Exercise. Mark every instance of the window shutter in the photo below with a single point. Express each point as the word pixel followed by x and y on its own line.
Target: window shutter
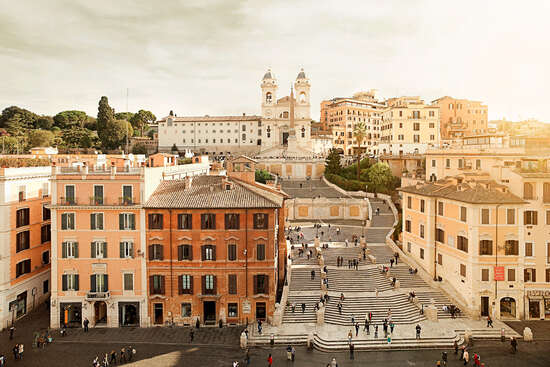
pixel 76 282
pixel 161 221
pixel 63 221
pixel 64 282
pixel 64 250
pixel 151 284
pixel 203 253
pixel 190 284
pixel 121 221
pixel 131 249
pixel 106 277
pixel 535 218
pixel 101 224
pixel 180 253
pixel 180 284
pixel 93 249
pixel 92 221
pixel 215 285
pixel 214 253
pixel 203 281
pixel 122 250
pixel 132 221
pixel 76 250
pixel 162 284
pixel 150 247
pixel 92 283
pixel 255 282
pixel 266 284
pixel 161 252
pixel 104 245
pixel 190 252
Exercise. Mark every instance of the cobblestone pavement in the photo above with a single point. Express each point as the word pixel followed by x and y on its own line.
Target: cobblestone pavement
pixel 309 189
pixel 540 329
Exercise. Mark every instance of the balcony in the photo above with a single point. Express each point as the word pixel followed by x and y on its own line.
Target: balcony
pixel 98 296
pixel 66 201
pixel 126 200
pixel 96 200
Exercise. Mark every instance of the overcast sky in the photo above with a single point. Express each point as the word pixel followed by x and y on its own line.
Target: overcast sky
pixel 208 56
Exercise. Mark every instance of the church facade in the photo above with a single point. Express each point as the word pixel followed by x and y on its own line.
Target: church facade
pixel 280 119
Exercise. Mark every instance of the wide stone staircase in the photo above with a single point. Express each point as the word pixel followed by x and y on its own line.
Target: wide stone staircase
pixel 407 280
pixel 298 316
pixel 300 280
pixel 303 260
pixel 402 311
pixel 440 300
pixel 382 253
pixel 362 280
pixel 347 253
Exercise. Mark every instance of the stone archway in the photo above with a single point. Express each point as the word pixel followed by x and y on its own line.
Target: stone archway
pixel 507 307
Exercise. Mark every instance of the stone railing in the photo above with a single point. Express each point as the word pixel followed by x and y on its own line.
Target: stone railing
pixel 281 307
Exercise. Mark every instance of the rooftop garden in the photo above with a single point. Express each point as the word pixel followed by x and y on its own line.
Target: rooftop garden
pixel 12 162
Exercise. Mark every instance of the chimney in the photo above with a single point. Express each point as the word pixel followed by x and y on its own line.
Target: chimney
pixel 85 168
pixel 113 168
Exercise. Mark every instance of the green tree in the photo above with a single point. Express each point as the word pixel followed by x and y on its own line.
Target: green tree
pixel 40 138
pixel 19 116
pixel 44 122
pixel 174 149
pixel 359 133
pixel 10 145
pixel 105 115
pixel 124 116
pixel 68 119
pixel 79 137
pixel 262 176
pixel 141 120
pixel 115 133
pixel 139 148
pixel 380 177
pixel 91 124
pixel 332 162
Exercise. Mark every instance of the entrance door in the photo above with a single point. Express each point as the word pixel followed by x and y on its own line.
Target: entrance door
pixel 285 138
pixel 508 307
pixel 484 306
pixel 158 313
pixel 260 311
pixel 128 315
pixel 100 312
pixel 209 312
pixel 534 309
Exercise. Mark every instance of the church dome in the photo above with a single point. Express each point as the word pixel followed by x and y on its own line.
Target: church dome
pixel 268 75
pixel 301 74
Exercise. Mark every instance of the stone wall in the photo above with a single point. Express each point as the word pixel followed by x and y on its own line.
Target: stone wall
pixel 327 208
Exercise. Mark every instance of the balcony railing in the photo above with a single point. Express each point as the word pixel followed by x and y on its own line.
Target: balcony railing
pixel 98 296
pixel 125 200
pixel 67 201
pixel 96 200
pixel 530 197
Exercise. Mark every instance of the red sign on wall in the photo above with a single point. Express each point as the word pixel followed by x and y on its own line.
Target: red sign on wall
pixel 499 273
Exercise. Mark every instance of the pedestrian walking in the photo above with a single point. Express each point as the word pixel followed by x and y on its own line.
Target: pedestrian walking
pixel 356 329
pixel 514 344
pixel 370 316
pixel 489 321
pixel 16 351
pixel 12 331
pixel 86 324
pixel 131 352
pixel 191 336
pixel 444 358
pixel 113 357
pixel 455 344
pixel 466 357
pixel 122 355
pixel 391 263
pixel 312 273
pixel 376 332
pixel 476 359
pixel 351 348
pixel 418 330
pixel 462 350
pixel 340 308
pixel 392 325
pixel 269 360
pixel 367 326
pixel 350 336
pixel 303 307
pixel 352 319
pixel 21 350
pixel 293 352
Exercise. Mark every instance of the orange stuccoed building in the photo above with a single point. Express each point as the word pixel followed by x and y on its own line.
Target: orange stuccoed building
pixel 215 248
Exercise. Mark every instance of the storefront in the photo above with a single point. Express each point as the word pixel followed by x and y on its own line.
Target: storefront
pixel 539 304
pixel 128 313
pixel 71 314
pixel 508 308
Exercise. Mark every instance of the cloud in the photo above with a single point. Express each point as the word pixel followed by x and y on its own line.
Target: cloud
pixel 207 57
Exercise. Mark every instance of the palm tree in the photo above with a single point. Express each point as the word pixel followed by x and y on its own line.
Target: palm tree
pixel 359 133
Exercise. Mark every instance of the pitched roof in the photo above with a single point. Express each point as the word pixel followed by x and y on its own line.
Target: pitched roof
pixel 210 192
pixel 470 192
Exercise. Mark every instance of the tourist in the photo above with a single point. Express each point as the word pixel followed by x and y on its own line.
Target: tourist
pixel 333 361
pixel 293 353
pixel 342 297
pixel 289 352
pixel 351 348
pixel 350 336
pixel 269 360
pixel 293 306
pixel 346 241
pixel 466 357
pixel 476 359
pixel 370 316
pixel 391 263
pixel 340 308
pixel 489 321
pixel 12 331
pixel 367 326
pixel 444 358
pixel 312 272
pixel 418 330
pixel 396 255
pixel 392 326
pixel 16 351
pixel 514 344
pixel 352 319
pixel 462 350
pixel 191 336
pixel 113 357
pixel 377 211
pixel 122 355
pixel 303 307
pixel 376 332
pixel 385 327
pixel 455 344
pixel 356 329
pixel 376 291
pixel 21 350
pixel 86 323
pixel 260 326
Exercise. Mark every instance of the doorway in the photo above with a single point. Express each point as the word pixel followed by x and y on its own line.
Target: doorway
pixel 260 311
pixel 534 309
pixel 285 138
pixel 508 307
pixel 158 312
pixel 100 312
pixel 128 314
pixel 209 312
pixel 484 306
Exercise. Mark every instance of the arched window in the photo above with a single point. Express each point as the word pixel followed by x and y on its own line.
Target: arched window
pixel 268 97
pixel 285 114
pixel 303 132
pixel 302 98
pixel 244 136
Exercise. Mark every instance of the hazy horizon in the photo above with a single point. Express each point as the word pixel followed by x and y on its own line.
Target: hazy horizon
pixel 208 57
